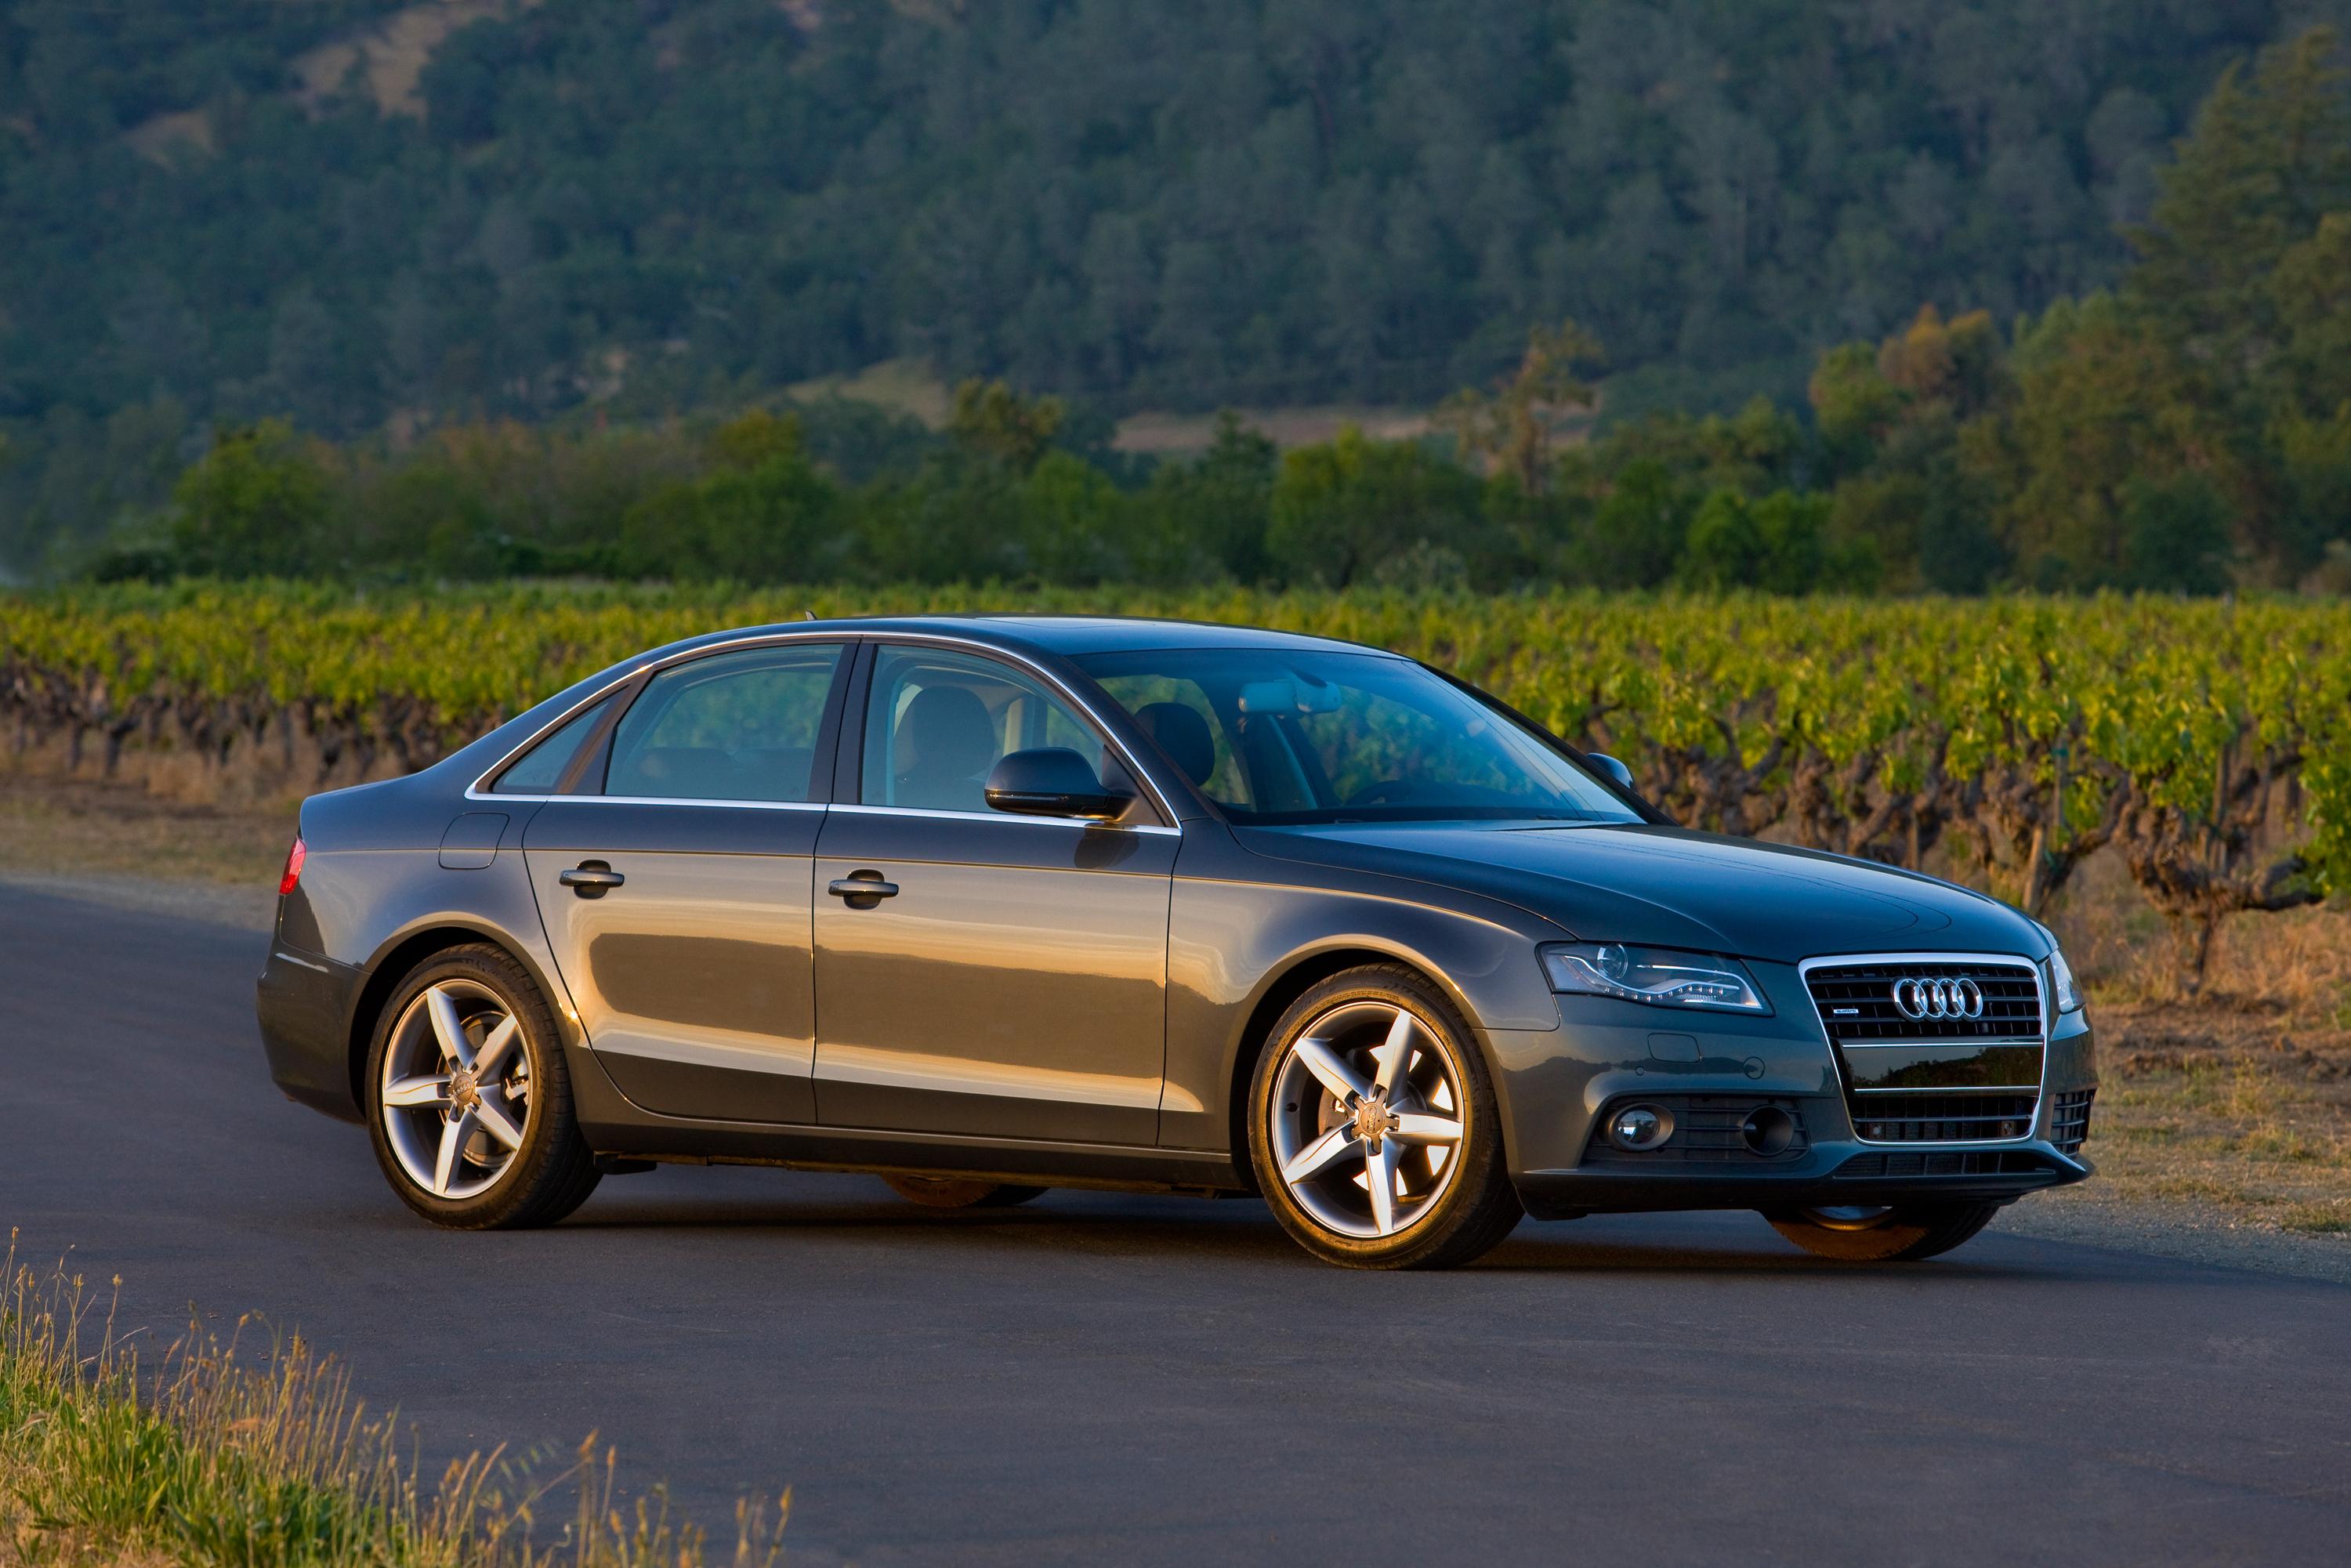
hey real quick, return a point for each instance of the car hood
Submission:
(1669, 887)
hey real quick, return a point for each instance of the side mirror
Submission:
(1616, 772)
(1053, 781)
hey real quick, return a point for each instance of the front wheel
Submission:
(1898, 1233)
(468, 1100)
(1373, 1129)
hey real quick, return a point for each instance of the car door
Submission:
(675, 886)
(1011, 982)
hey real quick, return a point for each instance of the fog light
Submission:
(1768, 1131)
(1640, 1127)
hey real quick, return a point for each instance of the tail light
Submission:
(293, 867)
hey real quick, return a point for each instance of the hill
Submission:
(351, 211)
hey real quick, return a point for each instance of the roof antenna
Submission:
(808, 614)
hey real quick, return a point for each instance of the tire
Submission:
(1337, 1120)
(948, 1192)
(1903, 1233)
(469, 1179)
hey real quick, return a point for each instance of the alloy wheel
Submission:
(1367, 1119)
(456, 1093)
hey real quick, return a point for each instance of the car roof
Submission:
(1068, 636)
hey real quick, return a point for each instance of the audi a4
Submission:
(986, 906)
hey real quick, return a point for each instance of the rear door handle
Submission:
(872, 889)
(591, 879)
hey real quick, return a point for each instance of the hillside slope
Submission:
(510, 209)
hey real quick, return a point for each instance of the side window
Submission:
(733, 727)
(539, 770)
(936, 723)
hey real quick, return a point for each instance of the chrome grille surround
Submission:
(1839, 981)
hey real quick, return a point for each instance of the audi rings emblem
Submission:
(1922, 999)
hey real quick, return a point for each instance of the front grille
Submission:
(2069, 1120)
(1901, 1116)
(1943, 1163)
(1705, 1132)
(1959, 1080)
(1856, 1002)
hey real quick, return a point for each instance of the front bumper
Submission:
(1829, 1174)
(1556, 1085)
(303, 1001)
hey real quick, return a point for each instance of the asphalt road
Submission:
(1099, 1377)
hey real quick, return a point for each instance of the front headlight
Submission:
(2060, 984)
(1653, 975)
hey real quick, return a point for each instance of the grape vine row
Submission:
(2208, 740)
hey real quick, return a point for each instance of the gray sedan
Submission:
(988, 906)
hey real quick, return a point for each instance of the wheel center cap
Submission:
(1374, 1121)
(464, 1090)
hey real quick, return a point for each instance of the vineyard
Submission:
(2001, 742)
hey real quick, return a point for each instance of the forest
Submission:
(1882, 295)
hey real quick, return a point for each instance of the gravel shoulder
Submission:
(2196, 1232)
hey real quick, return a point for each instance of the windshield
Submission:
(1277, 738)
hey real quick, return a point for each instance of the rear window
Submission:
(540, 770)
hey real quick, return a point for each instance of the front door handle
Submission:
(863, 891)
(591, 879)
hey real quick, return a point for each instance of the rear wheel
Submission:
(951, 1192)
(468, 1100)
(1896, 1233)
(1374, 1128)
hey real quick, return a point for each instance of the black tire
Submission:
(951, 1192)
(1472, 1209)
(552, 1171)
(1903, 1233)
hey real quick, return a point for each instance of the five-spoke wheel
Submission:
(1373, 1130)
(1369, 1116)
(468, 1098)
(456, 1090)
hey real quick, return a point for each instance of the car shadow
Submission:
(1099, 1223)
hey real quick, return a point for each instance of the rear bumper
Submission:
(304, 1004)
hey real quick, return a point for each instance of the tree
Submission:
(1513, 426)
(1340, 509)
(256, 506)
(2105, 409)
(2269, 159)
(992, 421)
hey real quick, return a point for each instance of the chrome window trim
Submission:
(662, 800)
(1034, 821)
(1160, 797)
(2003, 960)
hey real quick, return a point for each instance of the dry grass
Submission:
(52, 826)
(2237, 1100)
(210, 1456)
(393, 52)
(1185, 434)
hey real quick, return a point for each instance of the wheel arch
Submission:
(400, 955)
(1296, 975)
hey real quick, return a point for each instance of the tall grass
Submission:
(208, 1455)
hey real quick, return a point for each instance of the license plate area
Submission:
(1943, 1064)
